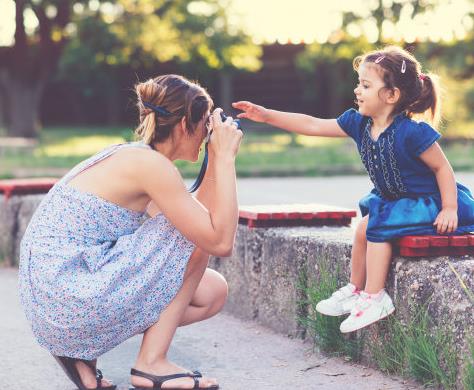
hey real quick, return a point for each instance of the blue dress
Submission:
(406, 198)
(92, 273)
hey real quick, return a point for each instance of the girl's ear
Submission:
(393, 95)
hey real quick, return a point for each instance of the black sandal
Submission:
(159, 380)
(69, 367)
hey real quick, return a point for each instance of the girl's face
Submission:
(369, 94)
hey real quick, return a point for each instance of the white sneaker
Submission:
(367, 310)
(341, 301)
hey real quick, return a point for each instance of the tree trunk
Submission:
(23, 108)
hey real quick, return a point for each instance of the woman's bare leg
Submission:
(358, 255)
(379, 256)
(152, 357)
(208, 300)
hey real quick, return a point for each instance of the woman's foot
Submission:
(165, 367)
(87, 375)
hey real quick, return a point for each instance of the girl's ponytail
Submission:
(428, 99)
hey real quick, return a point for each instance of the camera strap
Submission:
(203, 169)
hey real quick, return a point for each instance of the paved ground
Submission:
(242, 355)
(343, 191)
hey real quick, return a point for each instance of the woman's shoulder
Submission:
(135, 159)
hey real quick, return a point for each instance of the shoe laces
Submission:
(344, 292)
(362, 303)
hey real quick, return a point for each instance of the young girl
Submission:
(415, 191)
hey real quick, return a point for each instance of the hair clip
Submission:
(422, 76)
(378, 59)
(404, 66)
(157, 109)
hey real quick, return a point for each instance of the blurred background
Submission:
(67, 71)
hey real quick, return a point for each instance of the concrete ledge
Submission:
(15, 214)
(270, 266)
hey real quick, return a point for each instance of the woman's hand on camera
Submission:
(225, 137)
(251, 111)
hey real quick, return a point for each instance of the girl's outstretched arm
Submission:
(293, 122)
(447, 219)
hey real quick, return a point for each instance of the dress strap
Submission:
(96, 158)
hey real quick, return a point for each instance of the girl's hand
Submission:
(226, 137)
(251, 111)
(446, 221)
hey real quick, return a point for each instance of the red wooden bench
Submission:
(310, 214)
(26, 186)
(319, 215)
(415, 246)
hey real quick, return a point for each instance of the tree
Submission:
(26, 67)
(102, 38)
(190, 37)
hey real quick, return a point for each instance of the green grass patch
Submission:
(267, 152)
(413, 349)
(416, 350)
(325, 329)
(468, 374)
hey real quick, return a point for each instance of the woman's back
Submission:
(85, 261)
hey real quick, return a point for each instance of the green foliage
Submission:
(325, 329)
(468, 374)
(431, 357)
(139, 34)
(412, 349)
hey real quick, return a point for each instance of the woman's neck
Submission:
(166, 148)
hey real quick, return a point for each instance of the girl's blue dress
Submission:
(406, 198)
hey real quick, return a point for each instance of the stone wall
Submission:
(270, 267)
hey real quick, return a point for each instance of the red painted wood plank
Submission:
(26, 186)
(458, 241)
(439, 241)
(414, 242)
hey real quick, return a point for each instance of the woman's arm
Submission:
(213, 227)
(293, 122)
(447, 219)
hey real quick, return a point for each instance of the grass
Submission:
(266, 152)
(325, 329)
(468, 374)
(414, 348)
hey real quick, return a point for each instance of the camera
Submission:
(236, 121)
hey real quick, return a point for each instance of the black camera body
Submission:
(236, 121)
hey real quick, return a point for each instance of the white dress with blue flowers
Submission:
(92, 273)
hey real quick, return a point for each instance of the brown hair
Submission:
(177, 95)
(419, 93)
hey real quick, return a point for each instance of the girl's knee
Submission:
(361, 229)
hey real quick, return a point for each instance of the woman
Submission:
(93, 273)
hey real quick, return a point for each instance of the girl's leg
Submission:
(152, 357)
(379, 256)
(358, 255)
